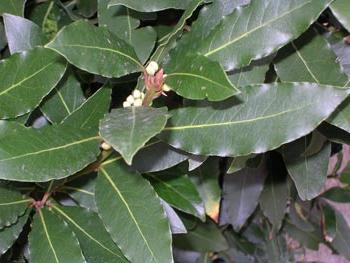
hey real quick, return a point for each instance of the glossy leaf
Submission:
(290, 110)
(196, 77)
(341, 10)
(54, 152)
(9, 235)
(128, 129)
(340, 195)
(94, 239)
(22, 34)
(14, 7)
(134, 214)
(151, 5)
(341, 241)
(51, 240)
(258, 30)
(12, 205)
(179, 191)
(27, 78)
(95, 50)
(176, 225)
(143, 41)
(241, 192)
(87, 8)
(309, 173)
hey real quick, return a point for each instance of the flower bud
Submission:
(126, 104)
(130, 99)
(138, 102)
(152, 68)
(137, 94)
(166, 88)
(105, 146)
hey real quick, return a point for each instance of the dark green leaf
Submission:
(26, 78)
(143, 40)
(95, 241)
(340, 195)
(176, 225)
(87, 8)
(128, 129)
(95, 50)
(341, 241)
(179, 191)
(341, 10)
(241, 192)
(53, 152)
(22, 34)
(135, 219)
(12, 206)
(289, 110)
(51, 240)
(196, 77)
(14, 7)
(151, 5)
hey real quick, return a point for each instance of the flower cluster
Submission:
(154, 79)
(135, 99)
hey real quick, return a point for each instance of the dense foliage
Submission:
(164, 131)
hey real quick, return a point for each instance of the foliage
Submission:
(167, 131)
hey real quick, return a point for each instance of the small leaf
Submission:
(95, 241)
(241, 192)
(51, 240)
(151, 5)
(179, 191)
(14, 7)
(176, 225)
(95, 50)
(128, 129)
(339, 195)
(196, 77)
(341, 241)
(135, 219)
(341, 10)
(27, 77)
(12, 206)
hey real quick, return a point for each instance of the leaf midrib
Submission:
(48, 236)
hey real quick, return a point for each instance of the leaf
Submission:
(176, 225)
(157, 156)
(12, 205)
(14, 7)
(135, 219)
(53, 152)
(143, 40)
(65, 99)
(9, 235)
(27, 77)
(241, 192)
(281, 107)
(309, 173)
(22, 34)
(300, 61)
(206, 237)
(341, 10)
(341, 241)
(206, 179)
(94, 239)
(151, 5)
(87, 8)
(340, 195)
(274, 198)
(95, 50)
(258, 30)
(196, 77)
(195, 161)
(128, 129)
(179, 191)
(309, 239)
(51, 240)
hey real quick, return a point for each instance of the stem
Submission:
(147, 101)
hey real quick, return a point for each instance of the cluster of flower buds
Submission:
(135, 99)
(154, 79)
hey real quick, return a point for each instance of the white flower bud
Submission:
(142, 95)
(130, 99)
(136, 93)
(152, 68)
(105, 146)
(166, 88)
(138, 102)
(126, 104)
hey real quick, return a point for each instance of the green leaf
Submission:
(9, 235)
(14, 7)
(95, 50)
(341, 10)
(87, 8)
(176, 225)
(300, 61)
(26, 78)
(151, 5)
(289, 110)
(22, 34)
(309, 239)
(94, 239)
(258, 30)
(51, 240)
(179, 191)
(128, 129)
(205, 237)
(53, 152)
(65, 99)
(341, 241)
(309, 173)
(196, 77)
(143, 40)
(12, 206)
(340, 195)
(135, 219)
(241, 192)
(274, 198)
